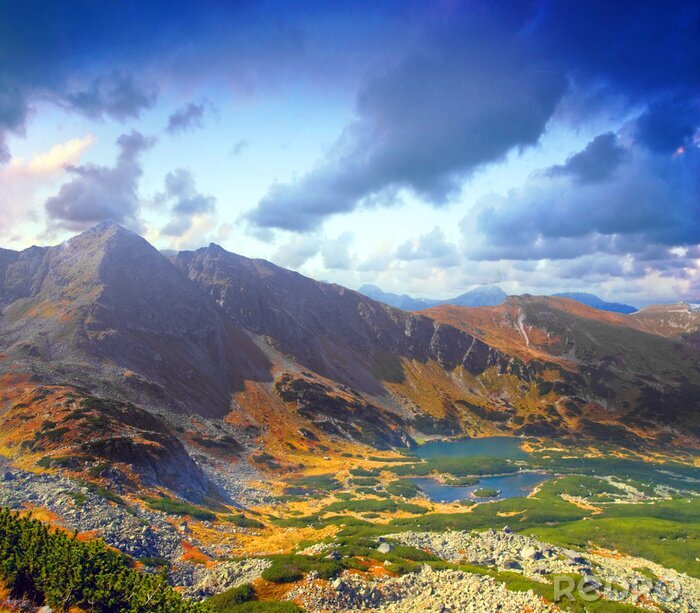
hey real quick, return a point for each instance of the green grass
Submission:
(669, 543)
(364, 481)
(324, 483)
(461, 481)
(584, 486)
(370, 505)
(178, 507)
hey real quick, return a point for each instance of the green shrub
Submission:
(242, 521)
(486, 492)
(60, 571)
(403, 488)
(363, 472)
(226, 601)
(177, 507)
(291, 568)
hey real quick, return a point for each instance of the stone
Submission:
(529, 552)
(384, 547)
(507, 529)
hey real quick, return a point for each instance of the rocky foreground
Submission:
(144, 533)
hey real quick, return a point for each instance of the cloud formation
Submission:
(431, 248)
(97, 193)
(184, 201)
(116, 95)
(488, 80)
(21, 180)
(598, 161)
(424, 124)
(188, 117)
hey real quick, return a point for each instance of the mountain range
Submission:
(484, 295)
(112, 351)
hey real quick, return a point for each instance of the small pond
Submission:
(509, 486)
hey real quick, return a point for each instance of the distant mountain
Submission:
(484, 295)
(400, 301)
(594, 301)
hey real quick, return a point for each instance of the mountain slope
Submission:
(109, 308)
(639, 378)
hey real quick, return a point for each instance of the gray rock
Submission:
(384, 547)
(530, 553)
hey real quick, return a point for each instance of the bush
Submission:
(60, 571)
(363, 472)
(282, 572)
(291, 568)
(324, 483)
(177, 507)
(234, 596)
(486, 492)
(403, 488)
(243, 522)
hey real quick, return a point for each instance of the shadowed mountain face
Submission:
(329, 329)
(211, 334)
(106, 309)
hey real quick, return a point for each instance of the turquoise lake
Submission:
(510, 486)
(493, 446)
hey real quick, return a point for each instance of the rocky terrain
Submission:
(619, 578)
(427, 590)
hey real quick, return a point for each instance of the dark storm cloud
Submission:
(598, 161)
(424, 124)
(108, 59)
(117, 95)
(650, 203)
(669, 124)
(97, 193)
(486, 80)
(184, 201)
(186, 118)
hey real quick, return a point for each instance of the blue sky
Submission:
(425, 147)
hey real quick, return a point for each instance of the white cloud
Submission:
(21, 180)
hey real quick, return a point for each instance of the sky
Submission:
(422, 146)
